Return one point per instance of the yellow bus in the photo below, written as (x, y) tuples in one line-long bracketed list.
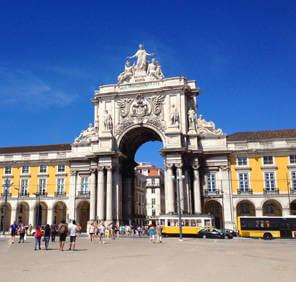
[(267, 227), (190, 224)]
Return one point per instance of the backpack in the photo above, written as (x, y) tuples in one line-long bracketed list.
[(63, 229)]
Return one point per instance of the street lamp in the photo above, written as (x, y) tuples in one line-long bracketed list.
[(16, 212), (178, 178), (6, 187), (37, 194)]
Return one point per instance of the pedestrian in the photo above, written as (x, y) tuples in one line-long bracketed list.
[(102, 232), (79, 230), (63, 231), (38, 235), (22, 231), (47, 232), (73, 230), (53, 231), (13, 229), (159, 233), (92, 231), (30, 229), (152, 233)]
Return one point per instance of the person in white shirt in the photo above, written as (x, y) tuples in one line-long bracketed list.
[(73, 230), (102, 232)]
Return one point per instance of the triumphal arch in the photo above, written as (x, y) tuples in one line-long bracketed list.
[(145, 106)]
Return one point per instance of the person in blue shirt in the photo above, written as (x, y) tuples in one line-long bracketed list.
[(13, 228)]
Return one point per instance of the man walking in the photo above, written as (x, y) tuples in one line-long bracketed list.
[(73, 231), (159, 233), (63, 231)]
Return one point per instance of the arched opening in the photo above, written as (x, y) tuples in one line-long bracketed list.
[(8, 216), (59, 212), (41, 214), (134, 205), (245, 208), (83, 214), (272, 208), (214, 209), (22, 213), (293, 208)]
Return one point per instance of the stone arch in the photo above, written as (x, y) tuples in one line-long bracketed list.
[(128, 144), (293, 208), (8, 216), (83, 214), (59, 212), (41, 210), (245, 208), (22, 213), (214, 209), (272, 208)]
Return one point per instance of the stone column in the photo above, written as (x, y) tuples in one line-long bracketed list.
[(227, 199), (72, 194), (31, 216), (100, 194), (12, 215), (181, 186), (285, 212), (118, 191), (170, 190), (196, 189), (188, 193), (92, 205), (258, 212), (109, 209), (49, 216)]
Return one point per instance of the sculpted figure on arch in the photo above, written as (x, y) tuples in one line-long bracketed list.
[(107, 121), (127, 74), (154, 70), (141, 56)]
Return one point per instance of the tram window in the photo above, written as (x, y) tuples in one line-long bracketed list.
[(207, 222), (267, 224), (198, 223), (187, 222), (176, 222), (193, 223), (162, 222), (169, 222)]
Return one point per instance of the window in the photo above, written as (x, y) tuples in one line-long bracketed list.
[(242, 161), (211, 182), (269, 181), (60, 186), (42, 168), (4, 186), (84, 185), (8, 170), (243, 182), (42, 186), (267, 160), (61, 168), (153, 191), (153, 201), (25, 169), (153, 180), (24, 187), (153, 212), (293, 159), (293, 178)]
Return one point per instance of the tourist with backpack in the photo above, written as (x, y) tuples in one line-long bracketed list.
[(22, 231), (63, 231)]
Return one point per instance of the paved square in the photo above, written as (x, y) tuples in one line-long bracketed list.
[(139, 260)]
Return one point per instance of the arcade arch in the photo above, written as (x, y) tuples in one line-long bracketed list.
[(83, 214), (272, 208), (245, 208), (22, 211), (8, 216), (214, 209), (293, 208), (41, 213), (59, 212)]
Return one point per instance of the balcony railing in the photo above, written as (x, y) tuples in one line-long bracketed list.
[(60, 194), (23, 194), (8, 195), (83, 194), (244, 191), (41, 194), (271, 191), (216, 192)]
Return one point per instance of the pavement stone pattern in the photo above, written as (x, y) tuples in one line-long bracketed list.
[(140, 260)]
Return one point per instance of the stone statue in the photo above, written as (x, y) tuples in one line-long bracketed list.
[(127, 74), (154, 70), (141, 56), (207, 127), (86, 135), (174, 115), (107, 121), (192, 118)]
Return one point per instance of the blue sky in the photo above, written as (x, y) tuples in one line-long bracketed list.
[(54, 54)]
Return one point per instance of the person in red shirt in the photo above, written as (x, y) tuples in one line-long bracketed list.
[(38, 235)]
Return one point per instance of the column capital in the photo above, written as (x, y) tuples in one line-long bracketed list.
[(100, 168), (195, 165), (168, 166), (73, 172), (109, 167), (92, 170), (178, 165)]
